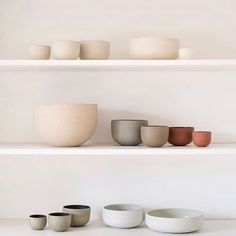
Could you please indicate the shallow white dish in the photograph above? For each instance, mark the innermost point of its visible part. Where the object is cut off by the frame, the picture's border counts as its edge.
(123, 215)
(174, 220)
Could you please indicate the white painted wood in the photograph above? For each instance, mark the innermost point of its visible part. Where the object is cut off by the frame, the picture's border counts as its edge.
(21, 227)
(55, 65)
(108, 150)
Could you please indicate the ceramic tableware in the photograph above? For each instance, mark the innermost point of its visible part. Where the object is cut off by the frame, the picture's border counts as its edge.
(66, 125)
(39, 52)
(201, 138)
(180, 136)
(174, 220)
(127, 132)
(154, 48)
(94, 49)
(37, 222)
(186, 53)
(154, 136)
(66, 50)
(59, 221)
(80, 214)
(123, 215)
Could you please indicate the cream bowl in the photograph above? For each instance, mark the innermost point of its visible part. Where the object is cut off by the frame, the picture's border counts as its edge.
(39, 52)
(123, 215)
(174, 220)
(154, 48)
(94, 49)
(66, 50)
(66, 125)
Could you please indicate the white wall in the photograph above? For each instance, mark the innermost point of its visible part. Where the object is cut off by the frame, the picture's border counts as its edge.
(203, 99)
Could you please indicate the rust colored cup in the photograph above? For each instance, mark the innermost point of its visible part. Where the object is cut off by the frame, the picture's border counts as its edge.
(180, 136)
(201, 138)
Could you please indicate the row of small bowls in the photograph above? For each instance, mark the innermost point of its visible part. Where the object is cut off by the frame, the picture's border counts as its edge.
(171, 220)
(139, 48)
(72, 216)
(128, 132)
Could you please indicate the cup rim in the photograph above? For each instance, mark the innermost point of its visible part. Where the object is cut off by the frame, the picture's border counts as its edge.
(37, 216)
(181, 127)
(76, 207)
(59, 214)
(155, 126)
(201, 132)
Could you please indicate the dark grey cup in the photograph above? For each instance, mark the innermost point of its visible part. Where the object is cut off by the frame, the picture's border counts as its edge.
(127, 132)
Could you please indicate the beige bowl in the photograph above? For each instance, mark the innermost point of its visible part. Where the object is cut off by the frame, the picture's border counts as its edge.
(66, 50)
(154, 48)
(94, 49)
(39, 52)
(66, 125)
(154, 136)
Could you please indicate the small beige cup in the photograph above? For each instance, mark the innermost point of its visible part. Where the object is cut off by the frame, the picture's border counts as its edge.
(154, 136)
(39, 52)
(59, 221)
(37, 222)
(94, 49)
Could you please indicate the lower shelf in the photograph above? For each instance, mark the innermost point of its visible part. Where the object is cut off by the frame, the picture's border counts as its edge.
(21, 227)
(108, 150)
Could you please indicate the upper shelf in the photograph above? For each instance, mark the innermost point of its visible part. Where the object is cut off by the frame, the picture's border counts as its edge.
(168, 65)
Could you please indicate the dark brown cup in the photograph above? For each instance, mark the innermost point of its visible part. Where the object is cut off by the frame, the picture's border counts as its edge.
(201, 138)
(180, 136)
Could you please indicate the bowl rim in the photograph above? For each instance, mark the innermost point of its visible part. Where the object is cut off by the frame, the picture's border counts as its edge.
(198, 213)
(37, 216)
(202, 132)
(130, 207)
(181, 127)
(59, 214)
(76, 207)
(128, 120)
(94, 41)
(154, 126)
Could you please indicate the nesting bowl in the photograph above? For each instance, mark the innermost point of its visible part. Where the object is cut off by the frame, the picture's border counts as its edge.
(66, 50)
(174, 220)
(201, 138)
(39, 52)
(37, 222)
(123, 215)
(66, 125)
(127, 132)
(59, 221)
(180, 136)
(154, 48)
(94, 49)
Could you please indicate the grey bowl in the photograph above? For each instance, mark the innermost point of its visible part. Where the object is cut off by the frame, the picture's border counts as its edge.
(37, 222)
(80, 214)
(59, 221)
(127, 132)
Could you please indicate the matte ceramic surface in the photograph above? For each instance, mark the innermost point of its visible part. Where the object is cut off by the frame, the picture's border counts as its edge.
(123, 215)
(38, 222)
(94, 49)
(180, 136)
(127, 132)
(154, 136)
(174, 220)
(59, 221)
(80, 214)
(39, 52)
(66, 125)
(66, 50)
(154, 48)
(201, 138)
(186, 53)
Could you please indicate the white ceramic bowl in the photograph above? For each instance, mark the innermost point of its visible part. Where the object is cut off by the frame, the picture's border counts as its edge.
(94, 49)
(66, 50)
(174, 220)
(123, 215)
(66, 125)
(39, 52)
(154, 48)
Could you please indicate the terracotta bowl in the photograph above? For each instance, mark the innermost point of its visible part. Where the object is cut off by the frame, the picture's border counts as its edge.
(180, 136)
(66, 125)
(201, 138)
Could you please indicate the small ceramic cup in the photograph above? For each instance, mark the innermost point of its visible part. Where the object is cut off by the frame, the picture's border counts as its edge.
(127, 132)
(186, 53)
(154, 136)
(59, 221)
(180, 136)
(37, 222)
(80, 214)
(201, 138)
(39, 52)
(94, 49)
(66, 50)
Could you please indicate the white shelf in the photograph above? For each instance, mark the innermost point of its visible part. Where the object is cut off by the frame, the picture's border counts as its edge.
(21, 227)
(107, 150)
(54, 65)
